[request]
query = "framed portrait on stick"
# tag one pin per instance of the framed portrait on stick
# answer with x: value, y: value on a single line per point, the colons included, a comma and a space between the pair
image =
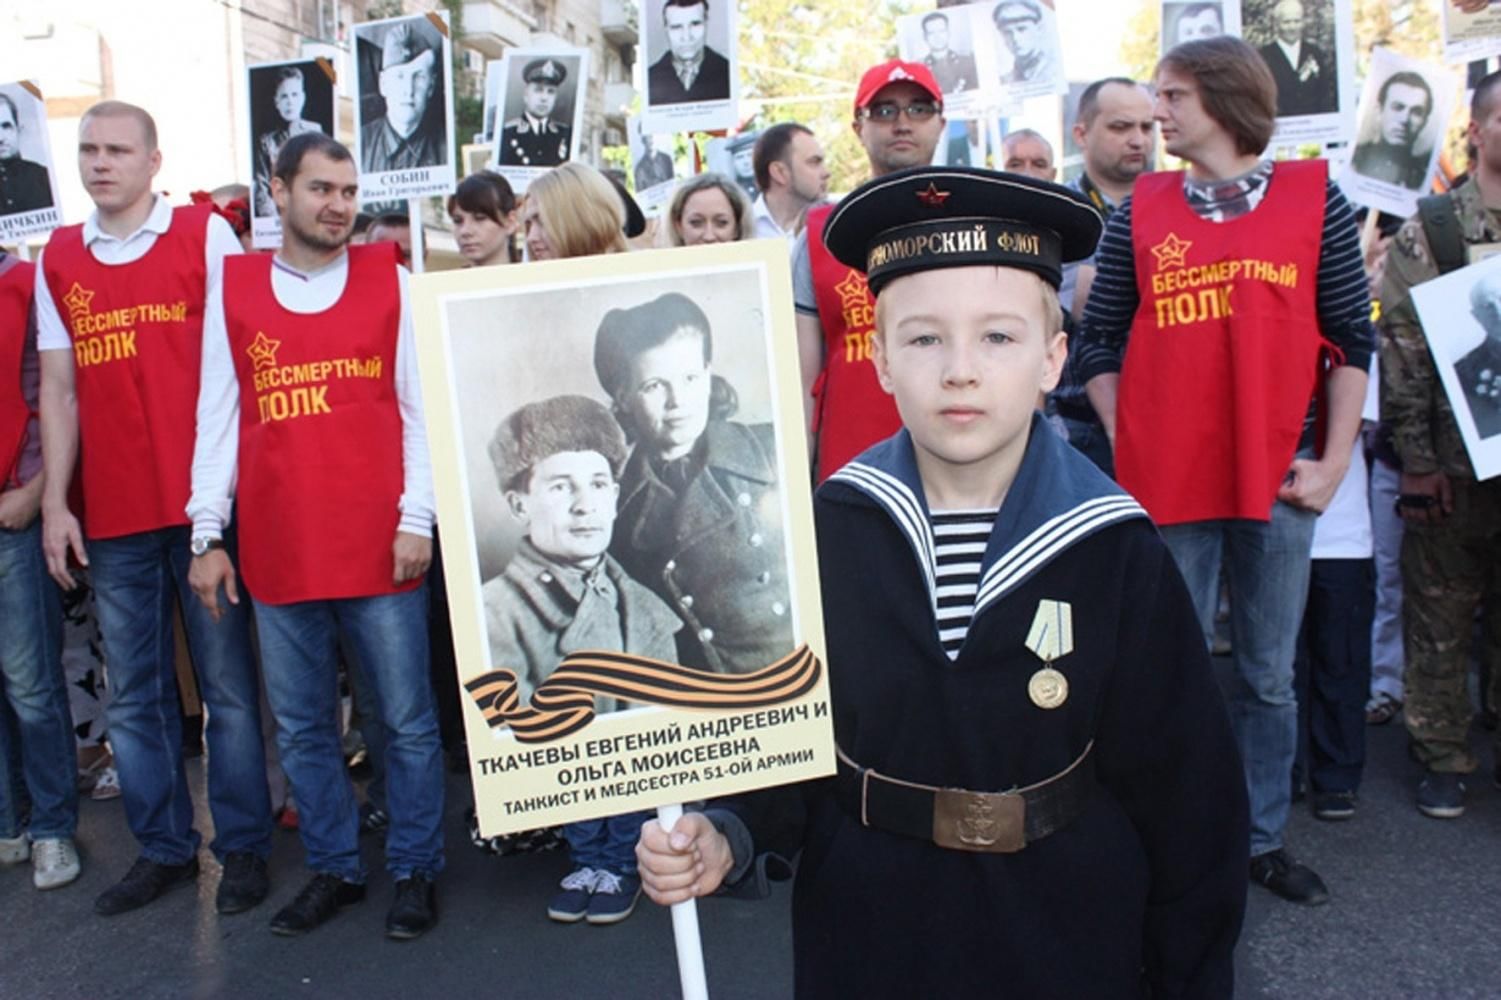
x: 403, y: 94
x: 627, y: 530
x: 285, y: 99
x: 1461, y: 316
x: 541, y: 105
x: 1309, y: 45
x: 28, y: 184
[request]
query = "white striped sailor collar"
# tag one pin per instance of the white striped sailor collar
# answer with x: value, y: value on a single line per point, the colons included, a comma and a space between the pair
x: 1058, y: 499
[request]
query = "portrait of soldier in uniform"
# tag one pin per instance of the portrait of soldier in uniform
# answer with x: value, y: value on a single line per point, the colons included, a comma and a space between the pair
x: 1020, y: 25
x: 536, y: 138
x: 24, y: 185
x: 1403, y: 106
x: 954, y: 71
x: 690, y: 70
x: 403, y: 125
x: 1479, y: 370
x: 281, y: 115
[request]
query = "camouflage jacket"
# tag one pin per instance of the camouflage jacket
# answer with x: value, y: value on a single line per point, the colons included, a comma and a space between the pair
x: 1413, y: 403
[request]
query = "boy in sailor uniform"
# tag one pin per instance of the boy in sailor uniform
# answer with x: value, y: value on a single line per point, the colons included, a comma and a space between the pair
x: 1038, y: 791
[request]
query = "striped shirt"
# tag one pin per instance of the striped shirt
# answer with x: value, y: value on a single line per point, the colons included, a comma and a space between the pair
x: 959, y: 540
x: 1342, y: 295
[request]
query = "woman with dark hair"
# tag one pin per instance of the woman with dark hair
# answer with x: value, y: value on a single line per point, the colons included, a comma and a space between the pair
x: 483, y: 212
x: 700, y: 510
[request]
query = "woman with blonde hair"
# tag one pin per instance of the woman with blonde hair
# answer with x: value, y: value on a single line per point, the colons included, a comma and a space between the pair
x: 709, y: 208
x: 573, y: 211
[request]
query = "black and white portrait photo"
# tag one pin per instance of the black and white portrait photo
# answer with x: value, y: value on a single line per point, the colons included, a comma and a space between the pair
x: 735, y: 157
x: 945, y: 42
x: 653, y: 172
x: 28, y: 191
x: 538, y: 127
x: 1194, y: 20
x: 1400, y: 127
x: 1308, y: 45
x: 1470, y: 31
x: 286, y: 99
x: 1296, y: 38
x: 541, y: 111
x: 1461, y: 316
x: 635, y: 481
x: 690, y: 64
x: 1029, y: 52
x: 404, y: 107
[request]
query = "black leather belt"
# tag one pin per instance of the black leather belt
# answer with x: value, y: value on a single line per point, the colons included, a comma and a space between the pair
x: 993, y: 822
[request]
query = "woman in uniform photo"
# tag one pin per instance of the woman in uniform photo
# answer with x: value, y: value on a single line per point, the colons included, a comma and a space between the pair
x: 700, y: 517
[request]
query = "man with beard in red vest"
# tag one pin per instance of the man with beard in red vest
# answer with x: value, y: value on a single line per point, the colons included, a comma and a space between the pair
x: 310, y: 419
x: 119, y: 303
x: 899, y: 119
x: 1225, y: 298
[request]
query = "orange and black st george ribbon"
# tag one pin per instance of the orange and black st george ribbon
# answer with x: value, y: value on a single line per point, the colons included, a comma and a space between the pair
x: 564, y: 703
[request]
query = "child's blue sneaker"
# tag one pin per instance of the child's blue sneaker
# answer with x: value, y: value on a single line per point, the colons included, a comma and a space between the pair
x: 570, y: 905
x: 614, y: 897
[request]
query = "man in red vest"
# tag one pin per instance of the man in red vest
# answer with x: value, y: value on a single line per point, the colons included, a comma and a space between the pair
x: 899, y: 119
x: 39, y: 746
x: 1223, y: 298
x: 310, y: 419
x: 119, y: 305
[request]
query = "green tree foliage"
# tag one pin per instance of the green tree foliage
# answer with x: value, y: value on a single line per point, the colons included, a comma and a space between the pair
x: 800, y: 61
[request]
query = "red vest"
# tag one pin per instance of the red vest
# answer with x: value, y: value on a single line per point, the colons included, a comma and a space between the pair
x: 851, y: 411
x: 16, y: 278
x: 137, y: 332
x: 1224, y: 351
x: 320, y: 464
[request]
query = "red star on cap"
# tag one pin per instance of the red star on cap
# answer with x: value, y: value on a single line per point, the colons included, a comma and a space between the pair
x: 932, y: 197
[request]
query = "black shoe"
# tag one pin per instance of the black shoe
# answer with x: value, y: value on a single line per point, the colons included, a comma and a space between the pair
x: 145, y: 881
x: 244, y: 883
x: 1333, y: 806
x: 1441, y: 795
x: 1288, y: 878
x: 320, y: 899
x: 414, y: 910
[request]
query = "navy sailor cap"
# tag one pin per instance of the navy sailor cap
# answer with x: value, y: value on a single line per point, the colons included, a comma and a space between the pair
x: 930, y: 217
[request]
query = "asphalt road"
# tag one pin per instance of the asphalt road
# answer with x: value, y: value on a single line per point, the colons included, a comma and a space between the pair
x: 1416, y: 907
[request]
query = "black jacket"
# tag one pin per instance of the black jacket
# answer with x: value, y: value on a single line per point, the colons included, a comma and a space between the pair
x: 711, y: 84
x: 1145, y: 890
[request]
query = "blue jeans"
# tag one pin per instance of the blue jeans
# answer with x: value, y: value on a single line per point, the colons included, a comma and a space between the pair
x: 388, y: 634
x: 36, y: 735
x: 134, y: 577
x: 1266, y: 565
x: 607, y: 844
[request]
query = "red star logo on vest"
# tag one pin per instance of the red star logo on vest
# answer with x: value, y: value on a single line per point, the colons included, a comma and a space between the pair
x: 262, y: 351
x: 932, y: 197
x: 1170, y: 252
x: 852, y: 290
x: 77, y: 300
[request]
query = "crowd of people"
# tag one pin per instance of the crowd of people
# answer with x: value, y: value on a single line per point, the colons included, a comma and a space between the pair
x: 1144, y: 394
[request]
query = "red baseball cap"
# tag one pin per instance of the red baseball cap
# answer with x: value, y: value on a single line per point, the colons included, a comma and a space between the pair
x: 896, y: 71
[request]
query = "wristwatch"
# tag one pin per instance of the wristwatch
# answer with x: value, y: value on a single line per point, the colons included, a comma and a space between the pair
x: 202, y: 545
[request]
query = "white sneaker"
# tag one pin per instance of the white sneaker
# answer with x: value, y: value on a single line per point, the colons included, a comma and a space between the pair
x: 54, y: 862
x: 14, y: 850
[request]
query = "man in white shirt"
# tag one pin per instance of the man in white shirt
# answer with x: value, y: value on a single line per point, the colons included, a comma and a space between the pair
x: 330, y: 467
x: 119, y: 386
x: 792, y: 176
